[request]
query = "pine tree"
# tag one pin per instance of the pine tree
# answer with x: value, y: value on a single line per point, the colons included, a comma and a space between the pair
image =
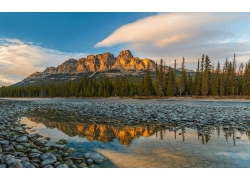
x: 246, y: 80
x: 148, y: 85
x: 206, y: 77
x: 215, y: 81
x: 197, y: 80
x: 183, y: 80
x: 190, y: 86
x: 170, y: 84
x: 160, y: 79
x: 174, y: 74
x: 240, y: 79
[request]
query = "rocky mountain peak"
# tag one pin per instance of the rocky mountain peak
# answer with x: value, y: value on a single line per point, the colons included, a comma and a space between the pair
x: 104, y: 63
x: 70, y: 61
x: 91, y: 56
x: 126, y: 55
x: 49, y: 70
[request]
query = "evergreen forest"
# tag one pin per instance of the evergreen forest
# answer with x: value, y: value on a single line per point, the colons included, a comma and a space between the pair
x: 209, y: 80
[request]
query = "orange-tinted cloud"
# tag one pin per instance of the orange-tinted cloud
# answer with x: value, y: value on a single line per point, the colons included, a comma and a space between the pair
x: 19, y: 59
x: 174, y: 35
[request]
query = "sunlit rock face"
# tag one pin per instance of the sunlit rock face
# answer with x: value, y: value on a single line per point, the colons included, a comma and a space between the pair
x: 104, y: 61
x: 101, y: 132
x: 100, y: 62
x: 125, y: 61
x: 68, y: 67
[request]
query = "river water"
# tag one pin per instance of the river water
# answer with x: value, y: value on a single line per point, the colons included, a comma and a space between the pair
x: 146, y: 146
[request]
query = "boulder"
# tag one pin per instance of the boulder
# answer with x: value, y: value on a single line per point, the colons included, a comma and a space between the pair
x: 47, y: 159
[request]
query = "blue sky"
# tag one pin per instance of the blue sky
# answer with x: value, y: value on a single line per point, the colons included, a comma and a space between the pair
x: 30, y: 42
x: 67, y: 32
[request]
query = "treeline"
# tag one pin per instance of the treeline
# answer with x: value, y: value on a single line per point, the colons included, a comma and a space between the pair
x: 208, y: 80
x: 86, y: 87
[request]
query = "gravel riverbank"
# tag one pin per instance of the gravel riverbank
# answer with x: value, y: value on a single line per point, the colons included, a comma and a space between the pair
x: 20, y: 149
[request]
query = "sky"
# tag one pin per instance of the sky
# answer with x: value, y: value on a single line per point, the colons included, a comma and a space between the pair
x: 30, y: 42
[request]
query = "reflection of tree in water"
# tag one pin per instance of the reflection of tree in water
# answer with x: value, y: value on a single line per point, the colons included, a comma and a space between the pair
x: 218, y: 130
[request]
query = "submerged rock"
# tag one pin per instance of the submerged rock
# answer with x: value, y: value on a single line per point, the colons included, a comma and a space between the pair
x: 96, y: 157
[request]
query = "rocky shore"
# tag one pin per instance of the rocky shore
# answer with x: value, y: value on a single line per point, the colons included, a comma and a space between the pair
x: 20, y: 149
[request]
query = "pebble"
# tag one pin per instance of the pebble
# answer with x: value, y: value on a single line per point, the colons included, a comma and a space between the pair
x: 62, y: 166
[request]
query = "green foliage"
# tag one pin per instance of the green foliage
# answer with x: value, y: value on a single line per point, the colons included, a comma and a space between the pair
x: 246, y: 80
x: 160, y: 79
x: 170, y: 82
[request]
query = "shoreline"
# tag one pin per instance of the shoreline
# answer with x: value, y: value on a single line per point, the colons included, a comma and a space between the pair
x: 21, y: 149
x: 173, y: 98
x: 18, y: 148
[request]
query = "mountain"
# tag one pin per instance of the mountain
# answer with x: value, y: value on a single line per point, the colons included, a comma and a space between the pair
x: 95, y: 66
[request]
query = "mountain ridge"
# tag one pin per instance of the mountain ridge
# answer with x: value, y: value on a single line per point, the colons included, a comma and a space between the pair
x: 105, y: 64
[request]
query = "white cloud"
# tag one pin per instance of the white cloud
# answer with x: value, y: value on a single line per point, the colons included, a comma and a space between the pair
x: 19, y: 59
x: 174, y: 35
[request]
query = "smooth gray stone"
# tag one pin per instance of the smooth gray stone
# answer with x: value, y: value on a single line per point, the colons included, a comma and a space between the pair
x: 27, y: 164
x: 56, y: 164
x: 62, y: 166
x: 27, y: 145
x: 19, y: 147
x: 18, y: 129
x: 22, y: 139
x: 60, y: 147
x: 16, y: 164
x: 37, y: 161
x: 24, y: 159
x: 3, y: 166
x: 18, y: 154
x: 31, y: 135
x: 59, y: 158
x: 4, y: 142
x: 96, y: 157
x: 9, y: 161
x: 82, y: 165
x: 72, y: 166
x: 48, y: 166
x: 35, y: 151
x: 6, y: 158
x: 48, y: 159
x: 34, y: 155
x: 68, y: 162
x: 89, y: 161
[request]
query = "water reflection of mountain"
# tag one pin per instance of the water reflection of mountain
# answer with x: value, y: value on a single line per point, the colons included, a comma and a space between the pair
x: 101, y: 132
x: 91, y: 130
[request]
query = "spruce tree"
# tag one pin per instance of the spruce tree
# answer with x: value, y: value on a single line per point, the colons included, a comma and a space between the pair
x: 170, y: 84
x: 240, y: 79
x: 160, y: 79
x: 148, y: 85
x: 197, y: 80
x: 183, y: 79
x: 206, y: 77
x: 246, y: 80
